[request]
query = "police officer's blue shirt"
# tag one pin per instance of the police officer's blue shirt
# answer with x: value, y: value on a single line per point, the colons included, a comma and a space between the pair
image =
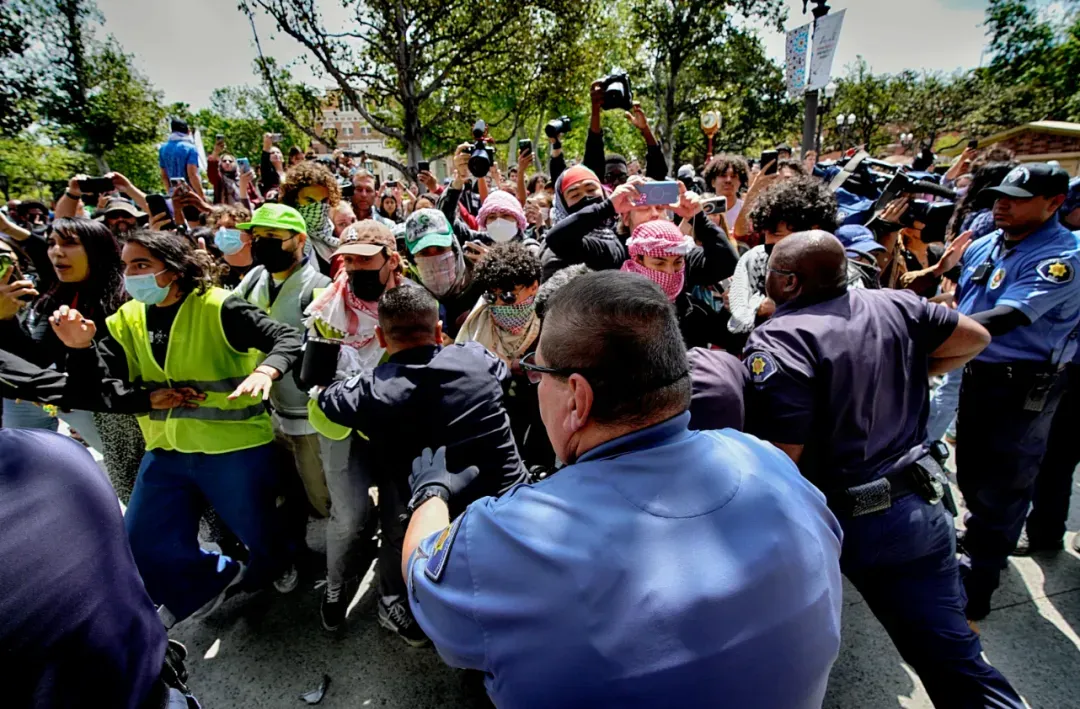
x: 1037, y: 277
x: 667, y: 567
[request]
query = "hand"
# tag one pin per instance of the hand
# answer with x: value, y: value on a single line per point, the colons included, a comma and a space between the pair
x: 184, y: 397
x: 760, y: 182
x: 689, y: 203
x: 257, y: 384
x: 767, y: 308
x: 968, y: 156
x: 475, y: 251
x: 461, y: 161
x: 430, y: 469
x: 625, y: 197
x: 75, y: 331
x: 532, y: 213
x: 103, y: 200
x: 894, y: 210
x: 15, y: 296
x: 73, y: 184
x: 120, y: 182
x: 219, y: 145
x: 158, y: 222
x: 200, y: 245
x: 525, y: 161
x: 953, y: 253
x: 428, y: 179
x: 596, y: 94
x: 268, y: 142
x: 637, y: 117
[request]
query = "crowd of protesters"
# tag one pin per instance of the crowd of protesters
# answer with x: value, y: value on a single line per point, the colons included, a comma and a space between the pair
x: 557, y: 374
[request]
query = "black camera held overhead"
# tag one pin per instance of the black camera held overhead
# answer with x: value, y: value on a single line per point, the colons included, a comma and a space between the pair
x: 557, y: 127
x: 934, y: 216
x: 617, y: 92
x: 481, y: 156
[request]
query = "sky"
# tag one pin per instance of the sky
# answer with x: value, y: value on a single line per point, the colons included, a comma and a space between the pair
x: 189, y: 48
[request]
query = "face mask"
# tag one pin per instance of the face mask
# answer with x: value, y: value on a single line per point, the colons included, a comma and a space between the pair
x: 228, y: 240
x: 316, y: 218
x: 367, y: 285
x: 583, y: 203
x: 545, y: 213
x: 513, y: 318
x: 145, y: 289
x: 670, y: 283
x: 438, y: 273
x: 271, y: 253
x: 502, y: 230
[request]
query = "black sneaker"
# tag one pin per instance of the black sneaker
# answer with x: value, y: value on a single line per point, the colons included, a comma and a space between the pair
x: 335, y: 602
x: 396, y: 616
x: 1026, y: 547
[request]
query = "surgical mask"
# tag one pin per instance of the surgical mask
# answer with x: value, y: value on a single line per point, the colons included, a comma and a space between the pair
x: 438, y: 273
x: 367, y: 285
x: 316, y: 218
x: 145, y: 289
x: 545, y: 214
x: 583, y: 203
x: 229, y: 241
x: 513, y: 318
x: 271, y: 253
x: 502, y: 230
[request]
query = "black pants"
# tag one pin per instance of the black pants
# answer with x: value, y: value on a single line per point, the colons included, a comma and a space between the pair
x: 1053, y: 486
x: 1002, y: 446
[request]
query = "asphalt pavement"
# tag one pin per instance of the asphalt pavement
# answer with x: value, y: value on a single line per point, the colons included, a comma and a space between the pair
x: 266, y: 650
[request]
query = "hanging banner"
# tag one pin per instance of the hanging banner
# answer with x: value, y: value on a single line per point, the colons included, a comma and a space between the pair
x: 826, y: 36
x: 798, y: 41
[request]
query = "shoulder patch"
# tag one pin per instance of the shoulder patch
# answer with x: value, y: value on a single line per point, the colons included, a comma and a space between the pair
x: 761, y: 366
x: 436, y: 563
x: 1055, y: 270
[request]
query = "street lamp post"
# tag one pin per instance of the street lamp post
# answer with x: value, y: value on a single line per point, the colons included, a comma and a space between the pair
x: 844, y: 125
x: 830, y: 93
x: 821, y: 8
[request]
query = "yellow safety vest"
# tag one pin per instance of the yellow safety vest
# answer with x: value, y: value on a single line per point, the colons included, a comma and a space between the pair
x: 199, y: 356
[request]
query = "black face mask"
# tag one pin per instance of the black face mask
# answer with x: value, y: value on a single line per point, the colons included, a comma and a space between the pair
x: 583, y: 203
x: 367, y: 285
x: 272, y: 254
x: 768, y: 249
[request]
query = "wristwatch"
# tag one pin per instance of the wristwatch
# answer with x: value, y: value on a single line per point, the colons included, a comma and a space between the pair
x: 426, y: 493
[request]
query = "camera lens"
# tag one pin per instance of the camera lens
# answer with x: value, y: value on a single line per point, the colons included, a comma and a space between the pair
x: 480, y: 160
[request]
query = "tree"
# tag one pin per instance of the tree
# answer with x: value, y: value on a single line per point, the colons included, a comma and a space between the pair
x: 19, y: 87
x: 932, y: 103
x: 411, y: 67
x: 37, y: 166
x: 873, y: 98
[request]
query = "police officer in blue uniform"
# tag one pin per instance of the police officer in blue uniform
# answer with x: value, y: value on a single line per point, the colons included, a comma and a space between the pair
x: 839, y: 381
x: 1020, y: 283
x: 659, y: 567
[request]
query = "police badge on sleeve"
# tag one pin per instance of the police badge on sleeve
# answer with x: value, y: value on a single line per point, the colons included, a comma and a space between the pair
x: 761, y: 365
x: 1055, y: 270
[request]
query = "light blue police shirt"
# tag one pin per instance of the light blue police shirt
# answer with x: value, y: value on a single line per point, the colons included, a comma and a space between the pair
x: 667, y: 567
x: 1038, y: 277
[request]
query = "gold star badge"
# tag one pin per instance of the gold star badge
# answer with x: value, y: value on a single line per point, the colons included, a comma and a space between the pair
x: 758, y: 365
x: 1058, y: 270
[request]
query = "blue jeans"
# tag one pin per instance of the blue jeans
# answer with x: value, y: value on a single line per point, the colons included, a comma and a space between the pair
x: 944, y: 401
x: 162, y: 523
x: 903, y: 561
x: 23, y: 414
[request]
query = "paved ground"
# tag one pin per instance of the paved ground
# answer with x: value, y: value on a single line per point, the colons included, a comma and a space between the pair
x: 264, y: 651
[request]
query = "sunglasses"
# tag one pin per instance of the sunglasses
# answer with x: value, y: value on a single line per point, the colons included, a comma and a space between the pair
x: 507, y: 298
x: 535, y: 371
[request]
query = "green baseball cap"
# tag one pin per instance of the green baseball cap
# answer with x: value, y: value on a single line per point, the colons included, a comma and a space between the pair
x: 427, y: 227
x: 275, y: 216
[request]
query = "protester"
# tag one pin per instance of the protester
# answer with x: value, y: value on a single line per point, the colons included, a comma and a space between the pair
x: 271, y: 169
x: 363, y: 197
x: 231, y: 186
x: 726, y: 176
x: 342, y: 216
x: 389, y: 208
x: 218, y: 450
x: 495, y: 596
x: 441, y: 266
x: 178, y: 159
x: 313, y: 191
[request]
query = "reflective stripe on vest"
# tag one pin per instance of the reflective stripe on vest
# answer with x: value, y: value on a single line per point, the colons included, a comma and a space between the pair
x: 198, y: 356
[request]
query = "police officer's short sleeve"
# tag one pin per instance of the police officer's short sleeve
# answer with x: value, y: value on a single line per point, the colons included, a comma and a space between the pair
x: 930, y: 324
x: 442, y: 595
x: 1042, y: 286
x: 780, y: 398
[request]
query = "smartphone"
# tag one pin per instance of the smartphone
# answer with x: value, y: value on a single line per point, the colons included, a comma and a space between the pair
x: 423, y: 166
x: 653, y: 193
x: 156, y: 204
x: 96, y: 185
x: 276, y: 137
x: 8, y: 267
x: 973, y: 143
x: 244, y: 163
x: 769, y: 156
x: 714, y: 205
x: 524, y: 147
x: 220, y: 137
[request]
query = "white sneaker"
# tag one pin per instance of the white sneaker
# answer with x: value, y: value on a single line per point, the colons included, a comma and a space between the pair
x: 288, y: 581
x: 214, y: 603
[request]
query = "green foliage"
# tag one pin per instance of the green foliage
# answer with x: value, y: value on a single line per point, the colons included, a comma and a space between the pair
x: 19, y: 86
x: 37, y: 166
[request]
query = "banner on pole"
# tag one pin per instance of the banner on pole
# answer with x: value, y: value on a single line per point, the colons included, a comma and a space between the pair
x: 798, y: 42
x: 826, y: 36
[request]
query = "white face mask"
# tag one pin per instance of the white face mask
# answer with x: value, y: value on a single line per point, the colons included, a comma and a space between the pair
x: 502, y: 230
x: 545, y: 214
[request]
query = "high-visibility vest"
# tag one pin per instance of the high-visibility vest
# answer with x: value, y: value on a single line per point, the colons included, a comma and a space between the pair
x: 198, y: 356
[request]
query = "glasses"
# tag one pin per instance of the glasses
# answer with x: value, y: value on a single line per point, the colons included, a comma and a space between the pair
x: 507, y: 298
x: 535, y: 371
x: 782, y: 272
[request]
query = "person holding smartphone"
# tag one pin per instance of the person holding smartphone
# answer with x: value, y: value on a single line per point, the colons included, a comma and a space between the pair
x: 178, y: 158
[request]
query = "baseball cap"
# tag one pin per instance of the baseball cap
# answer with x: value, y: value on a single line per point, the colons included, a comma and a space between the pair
x: 858, y: 240
x: 427, y: 227
x: 367, y: 238
x: 1032, y: 180
x: 276, y: 216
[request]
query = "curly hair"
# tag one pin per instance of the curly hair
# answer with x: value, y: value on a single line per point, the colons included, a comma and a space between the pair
x: 193, y: 268
x: 721, y: 164
x: 985, y: 176
x: 103, y: 291
x: 306, y: 174
x: 507, y: 266
x: 799, y: 204
x: 795, y: 166
x: 238, y: 213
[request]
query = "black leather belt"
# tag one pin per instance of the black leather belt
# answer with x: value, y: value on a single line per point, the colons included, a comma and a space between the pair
x: 924, y: 478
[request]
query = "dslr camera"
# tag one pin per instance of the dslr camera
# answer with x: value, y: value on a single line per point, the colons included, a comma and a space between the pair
x: 617, y: 92
x: 934, y: 216
x: 481, y: 156
x: 557, y: 126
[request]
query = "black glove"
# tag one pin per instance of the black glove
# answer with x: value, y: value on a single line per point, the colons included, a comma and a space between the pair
x: 429, y: 469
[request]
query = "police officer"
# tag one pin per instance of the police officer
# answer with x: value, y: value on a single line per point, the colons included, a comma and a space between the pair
x: 1020, y: 283
x: 660, y: 567
x: 855, y: 422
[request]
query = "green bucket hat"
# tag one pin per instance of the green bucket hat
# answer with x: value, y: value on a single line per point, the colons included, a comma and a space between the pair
x: 275, y: 216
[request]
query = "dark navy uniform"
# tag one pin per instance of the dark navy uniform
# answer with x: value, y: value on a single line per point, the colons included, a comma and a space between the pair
x: 847, y: 378
x: 1011, y: 390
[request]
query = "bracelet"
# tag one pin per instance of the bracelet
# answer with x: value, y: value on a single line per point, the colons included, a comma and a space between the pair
x: 67, y: 193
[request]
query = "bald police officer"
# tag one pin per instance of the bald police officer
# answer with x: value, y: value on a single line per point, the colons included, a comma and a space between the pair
x: 840, y: 383
x: 660, y: 567
x: 1020, y: 283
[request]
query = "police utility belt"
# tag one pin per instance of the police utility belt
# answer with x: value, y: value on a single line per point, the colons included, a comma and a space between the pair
x: 925, y: 478
x: 1030, y: 380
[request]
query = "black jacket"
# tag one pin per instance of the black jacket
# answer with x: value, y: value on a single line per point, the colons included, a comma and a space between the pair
x: 429, y: 397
